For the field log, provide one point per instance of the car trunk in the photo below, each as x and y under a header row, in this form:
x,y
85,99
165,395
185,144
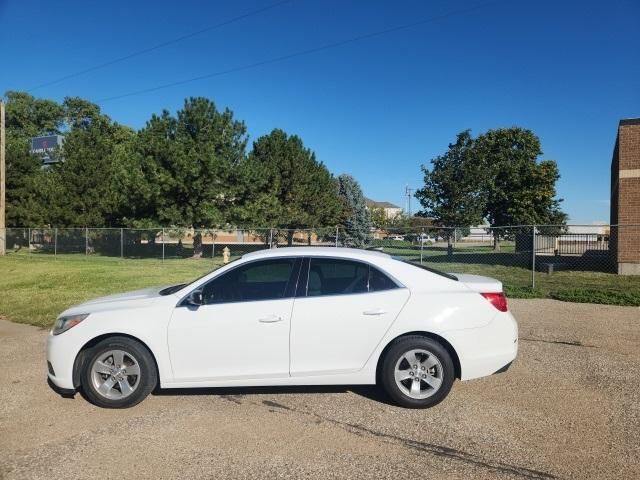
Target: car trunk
x,y
479,284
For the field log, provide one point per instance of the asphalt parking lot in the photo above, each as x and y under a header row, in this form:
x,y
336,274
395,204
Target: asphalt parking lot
x,y
568,408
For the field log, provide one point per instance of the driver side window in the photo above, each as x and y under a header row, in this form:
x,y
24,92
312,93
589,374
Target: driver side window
x,y
261,280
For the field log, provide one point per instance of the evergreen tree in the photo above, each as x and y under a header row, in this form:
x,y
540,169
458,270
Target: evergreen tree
x,y
27,117
293,190
357,225
191,162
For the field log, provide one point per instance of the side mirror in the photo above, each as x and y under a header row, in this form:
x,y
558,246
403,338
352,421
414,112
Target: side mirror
x,y
196,298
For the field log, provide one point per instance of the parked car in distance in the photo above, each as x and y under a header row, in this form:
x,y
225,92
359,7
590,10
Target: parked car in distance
x,y
398,238
426,239
289,316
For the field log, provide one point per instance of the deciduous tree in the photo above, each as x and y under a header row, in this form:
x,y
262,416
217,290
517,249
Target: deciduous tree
x,y
452,194
518,189
496,177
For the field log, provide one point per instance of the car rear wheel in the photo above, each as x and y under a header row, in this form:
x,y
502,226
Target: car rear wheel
x,y
417,372
119,372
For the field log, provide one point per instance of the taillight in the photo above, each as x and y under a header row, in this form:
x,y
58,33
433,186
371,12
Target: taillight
x,y
497,299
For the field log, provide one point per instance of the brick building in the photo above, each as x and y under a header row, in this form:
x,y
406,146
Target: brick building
x,y
625,198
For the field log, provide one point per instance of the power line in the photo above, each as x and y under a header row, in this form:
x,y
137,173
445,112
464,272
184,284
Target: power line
x,y
300,53
158,46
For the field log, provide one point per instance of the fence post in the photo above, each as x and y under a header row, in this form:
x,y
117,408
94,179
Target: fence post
x,y
162,245
29,240
86,241
271,238
122,243
213,245
533,259
421,245
55,241
337,234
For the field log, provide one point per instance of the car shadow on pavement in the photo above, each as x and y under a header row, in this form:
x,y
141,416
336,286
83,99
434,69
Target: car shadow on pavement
x,y
371,392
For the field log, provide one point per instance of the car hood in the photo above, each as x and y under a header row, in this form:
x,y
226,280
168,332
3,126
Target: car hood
x,y
114,302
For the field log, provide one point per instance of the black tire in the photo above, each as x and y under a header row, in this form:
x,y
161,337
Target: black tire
x,y
144,383
394,355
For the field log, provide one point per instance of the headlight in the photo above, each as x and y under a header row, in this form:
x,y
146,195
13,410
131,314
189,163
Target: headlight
x,y
65,323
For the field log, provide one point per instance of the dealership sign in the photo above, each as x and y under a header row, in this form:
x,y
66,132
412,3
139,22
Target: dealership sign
x,y
46,147
46,144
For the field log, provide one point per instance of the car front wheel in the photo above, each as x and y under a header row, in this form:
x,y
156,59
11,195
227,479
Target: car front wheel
x,y
417,372
119,372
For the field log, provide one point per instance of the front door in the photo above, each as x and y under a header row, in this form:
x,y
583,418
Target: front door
x,y
242,330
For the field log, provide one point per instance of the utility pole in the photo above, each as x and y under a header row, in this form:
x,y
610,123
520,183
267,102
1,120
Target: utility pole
x,y
3,230
408,192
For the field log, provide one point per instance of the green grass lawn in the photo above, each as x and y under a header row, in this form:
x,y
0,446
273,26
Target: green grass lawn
x,y
36,288
514,271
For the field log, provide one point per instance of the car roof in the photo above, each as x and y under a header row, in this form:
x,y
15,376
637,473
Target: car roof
x,y
342,252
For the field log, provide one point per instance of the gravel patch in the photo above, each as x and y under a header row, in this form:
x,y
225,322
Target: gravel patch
x,y
568,408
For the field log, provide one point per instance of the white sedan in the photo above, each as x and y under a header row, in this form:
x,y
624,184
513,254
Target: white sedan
x,y
289,316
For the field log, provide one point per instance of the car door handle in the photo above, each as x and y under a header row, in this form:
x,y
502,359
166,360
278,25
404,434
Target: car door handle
x,y
270,319
377,311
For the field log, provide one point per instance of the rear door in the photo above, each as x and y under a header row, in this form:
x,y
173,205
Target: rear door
x,y
340,314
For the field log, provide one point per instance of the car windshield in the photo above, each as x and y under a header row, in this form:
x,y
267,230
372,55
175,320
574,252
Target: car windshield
x,y
175,288
428,269
171,289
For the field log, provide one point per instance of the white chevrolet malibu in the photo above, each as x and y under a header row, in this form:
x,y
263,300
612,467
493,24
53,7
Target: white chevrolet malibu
x,y
289,316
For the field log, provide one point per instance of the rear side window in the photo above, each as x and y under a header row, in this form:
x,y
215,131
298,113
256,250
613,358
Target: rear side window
x,y
329,276
378,281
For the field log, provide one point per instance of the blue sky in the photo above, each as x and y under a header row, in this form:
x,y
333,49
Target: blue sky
x,y
377,108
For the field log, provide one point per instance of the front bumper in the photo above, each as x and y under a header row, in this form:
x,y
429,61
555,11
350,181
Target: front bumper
x,y
63,392
61,354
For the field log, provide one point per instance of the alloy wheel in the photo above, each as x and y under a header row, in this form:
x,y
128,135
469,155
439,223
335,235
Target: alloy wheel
x,y
115,374
418,373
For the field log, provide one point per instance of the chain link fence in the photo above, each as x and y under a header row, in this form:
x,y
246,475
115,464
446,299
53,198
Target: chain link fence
x,y
548,257
159,243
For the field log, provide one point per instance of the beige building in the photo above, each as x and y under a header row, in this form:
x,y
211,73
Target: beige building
x,y
390,210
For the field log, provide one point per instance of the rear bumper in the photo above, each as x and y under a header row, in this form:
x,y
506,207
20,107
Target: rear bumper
x,y
503,369
486,350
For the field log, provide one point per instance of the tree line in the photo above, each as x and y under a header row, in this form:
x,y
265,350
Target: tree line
x,y
192,169
195,169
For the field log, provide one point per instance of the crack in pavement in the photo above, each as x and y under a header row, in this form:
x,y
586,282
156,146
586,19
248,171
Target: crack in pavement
x,y
232,398
269,403
572,343
432,448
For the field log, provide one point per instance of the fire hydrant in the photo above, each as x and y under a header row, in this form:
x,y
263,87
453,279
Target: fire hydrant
x,y
226,253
